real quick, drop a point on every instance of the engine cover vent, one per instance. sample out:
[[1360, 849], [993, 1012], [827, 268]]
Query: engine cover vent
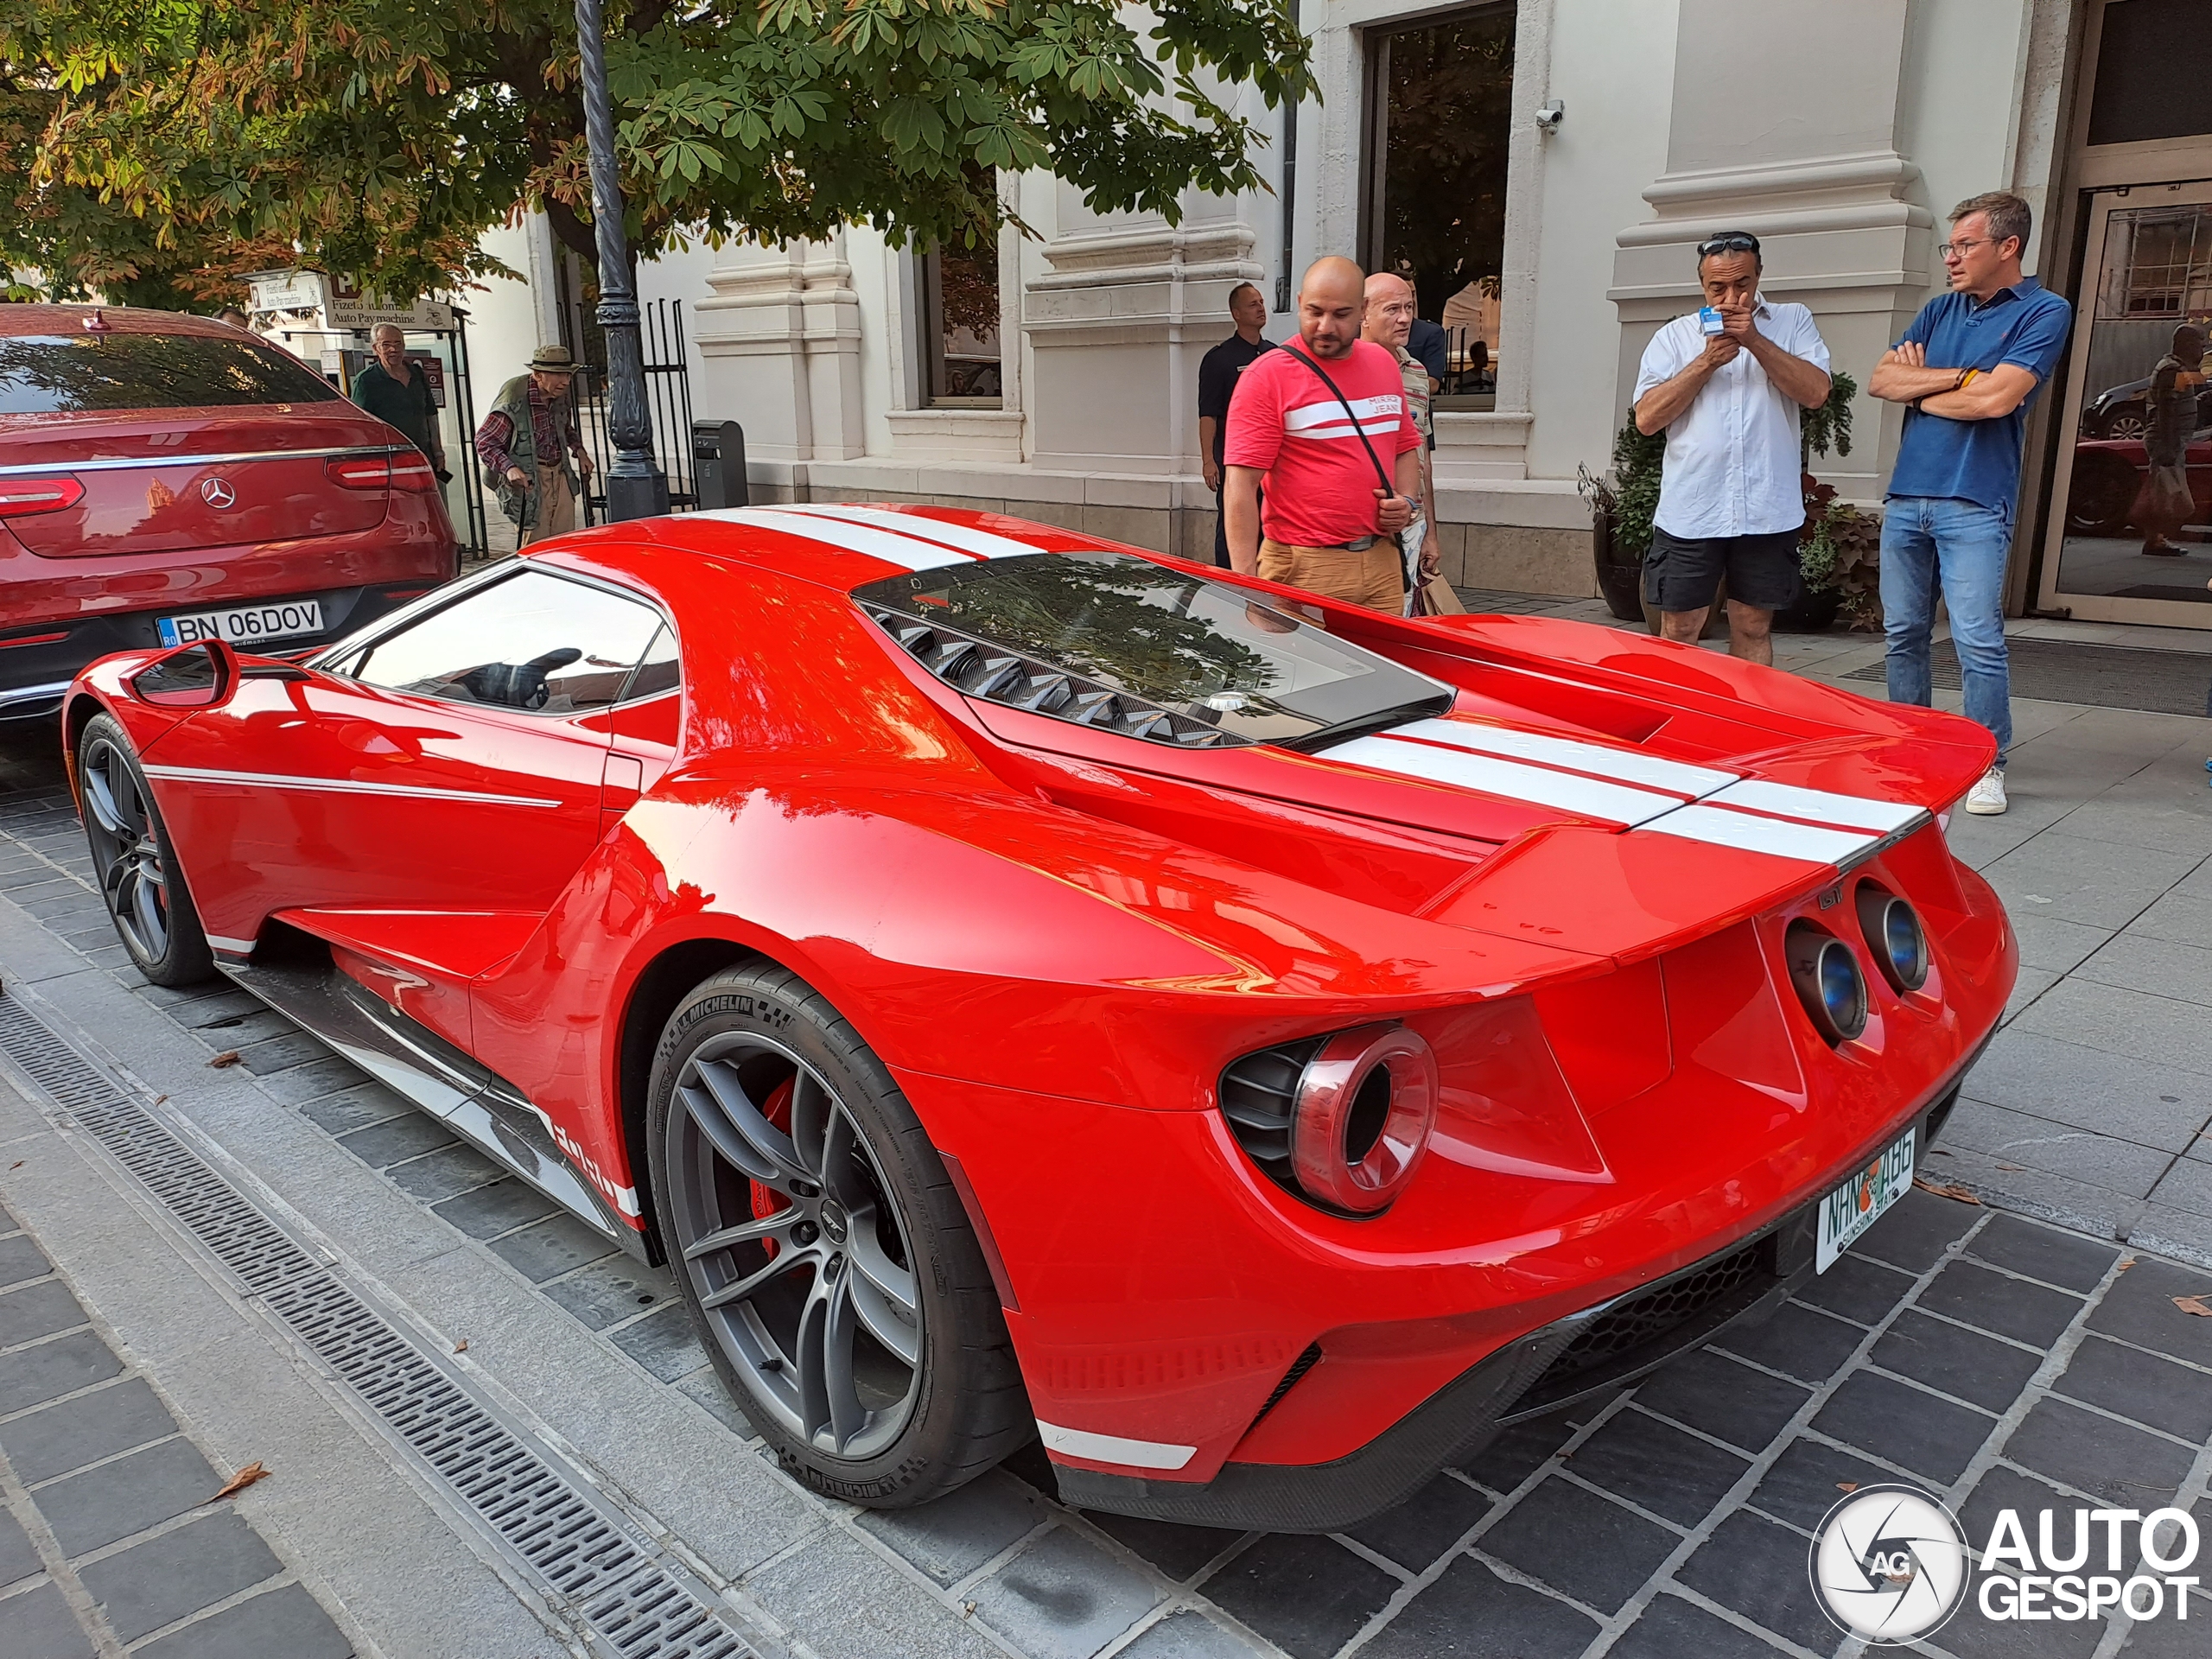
[[977, 669]]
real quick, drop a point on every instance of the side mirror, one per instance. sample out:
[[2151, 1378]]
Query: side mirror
[[191, 677]]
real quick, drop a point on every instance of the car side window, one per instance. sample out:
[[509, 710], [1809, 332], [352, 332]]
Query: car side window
[[659, 671], [535, 642]]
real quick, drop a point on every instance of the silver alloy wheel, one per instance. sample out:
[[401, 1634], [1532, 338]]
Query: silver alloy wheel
[[126, 852], [816, 1304], [2129, 425]]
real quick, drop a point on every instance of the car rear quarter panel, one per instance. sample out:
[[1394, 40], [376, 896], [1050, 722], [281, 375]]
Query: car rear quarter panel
[[1165, 1286]]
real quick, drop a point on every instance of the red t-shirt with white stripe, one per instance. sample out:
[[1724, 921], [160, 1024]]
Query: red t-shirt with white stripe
[[1320, 485]]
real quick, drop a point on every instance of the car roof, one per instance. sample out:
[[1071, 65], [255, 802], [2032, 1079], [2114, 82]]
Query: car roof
[[19, 321]]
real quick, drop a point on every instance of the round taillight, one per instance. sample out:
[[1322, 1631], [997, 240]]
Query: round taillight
[[1895, 937], [1361, 1117], [1827, 980]]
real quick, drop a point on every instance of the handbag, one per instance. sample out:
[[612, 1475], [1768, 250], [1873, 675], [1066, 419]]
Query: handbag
[[1436, 598], [1389, 484], [2163, 500]]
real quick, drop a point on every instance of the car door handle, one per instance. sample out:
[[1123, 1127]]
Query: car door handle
[[622, 782]]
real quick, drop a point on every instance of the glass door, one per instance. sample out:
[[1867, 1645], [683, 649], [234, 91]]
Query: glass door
[[2131, 526]]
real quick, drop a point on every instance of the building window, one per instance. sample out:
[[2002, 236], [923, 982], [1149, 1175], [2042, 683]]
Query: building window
[[1440, 98], [2159, 265], [960, 327]]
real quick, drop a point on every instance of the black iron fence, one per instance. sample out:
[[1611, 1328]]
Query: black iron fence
[[668, 396]]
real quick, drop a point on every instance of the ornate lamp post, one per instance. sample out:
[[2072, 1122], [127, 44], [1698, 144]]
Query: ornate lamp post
[[636, 488]]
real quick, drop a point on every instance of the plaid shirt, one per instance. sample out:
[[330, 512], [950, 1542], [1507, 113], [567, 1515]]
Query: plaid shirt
[[493, 437]]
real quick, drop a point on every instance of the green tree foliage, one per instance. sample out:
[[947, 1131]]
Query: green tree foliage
[[154, 141]]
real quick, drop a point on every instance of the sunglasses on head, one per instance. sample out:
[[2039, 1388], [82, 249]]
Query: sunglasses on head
[[1728, 242]]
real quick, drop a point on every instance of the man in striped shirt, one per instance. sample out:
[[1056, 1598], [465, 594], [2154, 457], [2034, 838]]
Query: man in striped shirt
[[1324, 422]]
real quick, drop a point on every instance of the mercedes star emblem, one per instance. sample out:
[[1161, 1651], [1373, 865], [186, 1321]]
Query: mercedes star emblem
[[217, 494]]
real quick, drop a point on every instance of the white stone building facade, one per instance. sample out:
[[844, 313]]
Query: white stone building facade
[[1839, 131]]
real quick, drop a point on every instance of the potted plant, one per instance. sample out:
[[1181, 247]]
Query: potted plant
[[1840, 558], [1839, 549], [1621, 505]]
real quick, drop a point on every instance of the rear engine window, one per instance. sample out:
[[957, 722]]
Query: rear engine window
[[1205, 652], [68, 374]]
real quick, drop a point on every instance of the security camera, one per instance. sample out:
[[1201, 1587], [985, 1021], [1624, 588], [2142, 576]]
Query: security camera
[[1549, 117]]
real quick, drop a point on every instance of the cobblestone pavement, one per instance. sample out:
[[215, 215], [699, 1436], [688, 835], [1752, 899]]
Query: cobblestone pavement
[[1977, 1349], [112, 1537]]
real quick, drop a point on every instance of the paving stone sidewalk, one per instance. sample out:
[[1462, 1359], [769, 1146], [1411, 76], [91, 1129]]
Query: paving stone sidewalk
[[1995, 1358], [111, 1537]]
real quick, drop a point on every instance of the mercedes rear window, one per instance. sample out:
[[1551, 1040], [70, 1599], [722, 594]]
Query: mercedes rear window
[[1198, 648], [69, 374]]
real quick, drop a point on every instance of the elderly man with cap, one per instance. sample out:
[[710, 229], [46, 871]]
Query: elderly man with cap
[[1322, 420], [526, 443]]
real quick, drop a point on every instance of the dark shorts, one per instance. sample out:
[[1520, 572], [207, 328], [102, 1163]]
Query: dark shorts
[[1682, 573]]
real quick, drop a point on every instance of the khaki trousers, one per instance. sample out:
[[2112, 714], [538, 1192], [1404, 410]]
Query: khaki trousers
[[1369, 577], [556, 507]]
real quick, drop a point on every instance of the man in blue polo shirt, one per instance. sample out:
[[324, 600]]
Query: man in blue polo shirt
[[1968, 370]]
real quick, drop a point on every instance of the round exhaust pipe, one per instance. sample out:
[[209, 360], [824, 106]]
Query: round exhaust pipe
[[1360, 1121]]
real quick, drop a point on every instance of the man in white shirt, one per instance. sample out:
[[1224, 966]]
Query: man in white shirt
[[1726, 384]]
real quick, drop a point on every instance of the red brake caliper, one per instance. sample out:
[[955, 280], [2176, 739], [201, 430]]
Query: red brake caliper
[[767, 1201]]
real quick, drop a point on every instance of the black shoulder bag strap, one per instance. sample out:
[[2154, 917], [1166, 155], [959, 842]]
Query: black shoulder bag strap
[[1389, 486]]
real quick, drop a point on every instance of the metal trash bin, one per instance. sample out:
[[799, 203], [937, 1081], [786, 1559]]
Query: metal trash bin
[[718, 452]]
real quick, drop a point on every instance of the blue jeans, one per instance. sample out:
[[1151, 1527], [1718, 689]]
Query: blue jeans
[[1962, 546]]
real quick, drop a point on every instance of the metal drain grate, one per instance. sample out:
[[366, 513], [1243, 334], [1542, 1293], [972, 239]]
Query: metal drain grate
[[635, 1603]]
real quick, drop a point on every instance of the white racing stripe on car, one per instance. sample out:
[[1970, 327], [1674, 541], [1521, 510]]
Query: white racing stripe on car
[[1113, 1448], [1510, 778], [1626, 765], [1852, 812], [1748, 832], [902, 550], [339, 786], [980, 542], [1734, 811]]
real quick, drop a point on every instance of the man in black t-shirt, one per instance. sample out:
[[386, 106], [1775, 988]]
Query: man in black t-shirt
[[1217, 373]]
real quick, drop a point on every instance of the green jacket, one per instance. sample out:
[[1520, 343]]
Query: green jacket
[[411, 407], [521, 505]]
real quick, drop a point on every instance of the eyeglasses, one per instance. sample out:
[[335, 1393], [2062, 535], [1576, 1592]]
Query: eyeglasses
[[1728, 242], [1962, 249]]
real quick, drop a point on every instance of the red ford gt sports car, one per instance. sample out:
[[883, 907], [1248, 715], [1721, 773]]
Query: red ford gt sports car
[[1030, 987], [165, 478]]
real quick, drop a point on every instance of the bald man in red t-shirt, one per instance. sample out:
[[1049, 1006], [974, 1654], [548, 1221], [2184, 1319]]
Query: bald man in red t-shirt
[[1329, 521]]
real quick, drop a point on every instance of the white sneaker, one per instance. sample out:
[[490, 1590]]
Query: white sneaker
[[1986, 798]]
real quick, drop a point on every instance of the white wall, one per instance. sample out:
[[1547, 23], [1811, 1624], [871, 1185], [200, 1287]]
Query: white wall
[[1613, 66], [503, 325], [1960, 108]]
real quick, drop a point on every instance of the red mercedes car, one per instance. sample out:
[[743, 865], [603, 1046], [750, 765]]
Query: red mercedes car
[[165, 478], [1026, 986]]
